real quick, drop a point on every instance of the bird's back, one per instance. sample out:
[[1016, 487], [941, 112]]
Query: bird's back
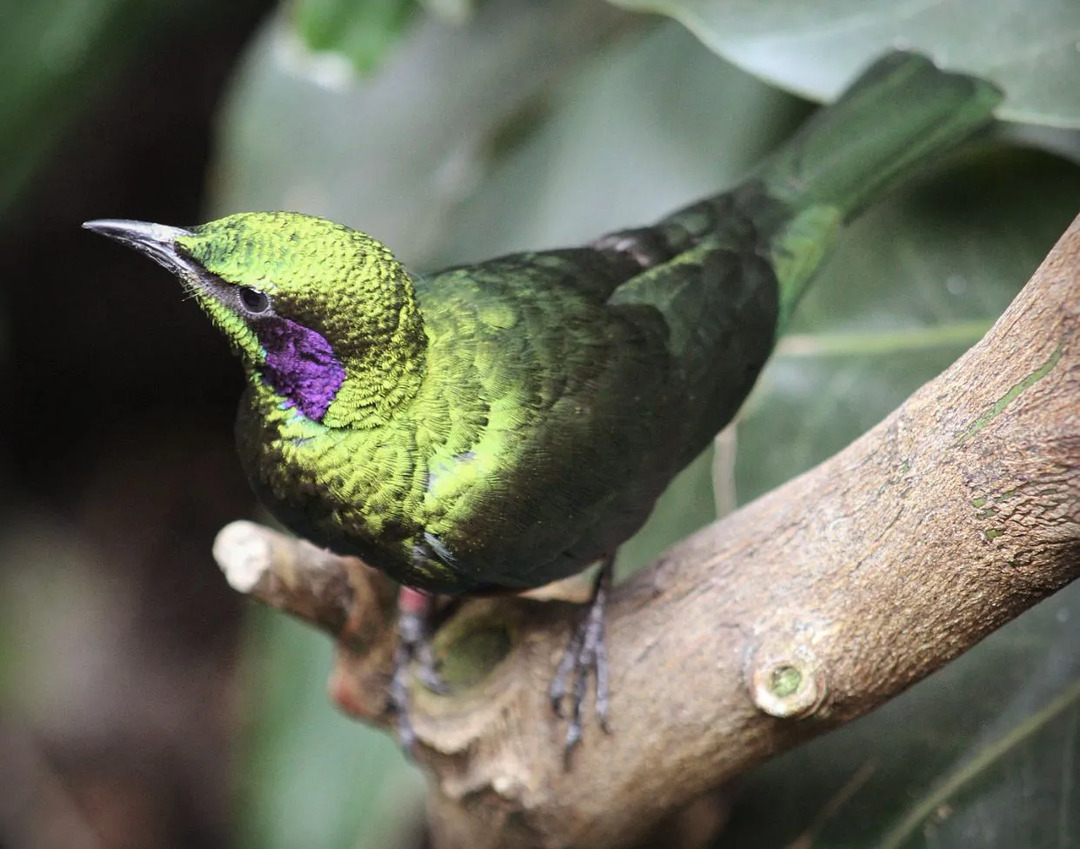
[[566, 388]]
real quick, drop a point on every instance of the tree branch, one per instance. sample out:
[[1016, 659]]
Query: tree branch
[[801, 611]]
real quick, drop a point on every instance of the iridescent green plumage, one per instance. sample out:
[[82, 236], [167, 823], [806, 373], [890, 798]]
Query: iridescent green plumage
[[504, 424], [555, 404]]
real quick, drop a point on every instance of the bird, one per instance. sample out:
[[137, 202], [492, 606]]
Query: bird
[[497, 426]]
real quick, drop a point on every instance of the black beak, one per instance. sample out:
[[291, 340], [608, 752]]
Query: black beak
[[157, 241]]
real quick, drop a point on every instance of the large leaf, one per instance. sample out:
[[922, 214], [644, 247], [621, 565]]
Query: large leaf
[[911, 285], [815, 48], [394, 152]]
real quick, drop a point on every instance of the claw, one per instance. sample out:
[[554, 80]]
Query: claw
[[586, 655], [415, 609], [399, 695], [560, 683], [427, 673]]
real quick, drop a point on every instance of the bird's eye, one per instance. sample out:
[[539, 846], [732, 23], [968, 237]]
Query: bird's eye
[[253, 300]]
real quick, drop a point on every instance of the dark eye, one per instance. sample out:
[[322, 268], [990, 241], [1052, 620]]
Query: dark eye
[[253, 300]]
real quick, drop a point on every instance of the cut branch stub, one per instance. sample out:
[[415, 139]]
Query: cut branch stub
[[786, 679]]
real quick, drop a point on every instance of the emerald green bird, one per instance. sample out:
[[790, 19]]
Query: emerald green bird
[[498, 426]]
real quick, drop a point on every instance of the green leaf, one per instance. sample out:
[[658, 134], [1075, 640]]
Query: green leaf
[[360, 30], [392, 153], [816, 48], [912, 284], [615, 149]]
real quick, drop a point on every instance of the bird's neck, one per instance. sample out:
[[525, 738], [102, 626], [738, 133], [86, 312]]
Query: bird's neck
[[383, 370], [353, 369]]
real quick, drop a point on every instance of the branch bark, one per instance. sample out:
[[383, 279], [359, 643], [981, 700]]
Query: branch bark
[[807, 608]]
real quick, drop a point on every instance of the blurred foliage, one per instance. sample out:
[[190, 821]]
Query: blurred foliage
[[361, 31], [116, 469], [314, 777], [455, 130], [395, 151], [814, 48], [55, 57], [912, 285]]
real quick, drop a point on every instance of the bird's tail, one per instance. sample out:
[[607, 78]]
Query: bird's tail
[[898, 116], [902, 112]]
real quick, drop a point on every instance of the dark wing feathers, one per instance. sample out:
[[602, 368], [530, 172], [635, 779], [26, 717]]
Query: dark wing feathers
[[623, 360]]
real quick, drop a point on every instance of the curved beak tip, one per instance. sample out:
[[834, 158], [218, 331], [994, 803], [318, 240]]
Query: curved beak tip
[[135, 232], [157, 241]]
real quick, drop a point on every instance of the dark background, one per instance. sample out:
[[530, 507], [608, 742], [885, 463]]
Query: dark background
[[117, 470]]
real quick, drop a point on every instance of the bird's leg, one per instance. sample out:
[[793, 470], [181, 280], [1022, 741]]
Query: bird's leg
[[415, 612], [586, 655]]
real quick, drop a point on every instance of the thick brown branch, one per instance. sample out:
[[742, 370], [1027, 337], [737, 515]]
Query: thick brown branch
[[811, 606]]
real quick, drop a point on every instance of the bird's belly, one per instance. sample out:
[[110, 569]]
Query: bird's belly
[[358, 494], [463, 522]]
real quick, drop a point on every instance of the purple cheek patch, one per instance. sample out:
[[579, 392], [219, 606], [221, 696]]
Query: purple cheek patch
[[300, 365]]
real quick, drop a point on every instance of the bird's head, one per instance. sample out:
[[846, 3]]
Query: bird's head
[[320, 314]]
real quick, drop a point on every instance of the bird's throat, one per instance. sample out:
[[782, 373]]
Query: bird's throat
[[300, 366]]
